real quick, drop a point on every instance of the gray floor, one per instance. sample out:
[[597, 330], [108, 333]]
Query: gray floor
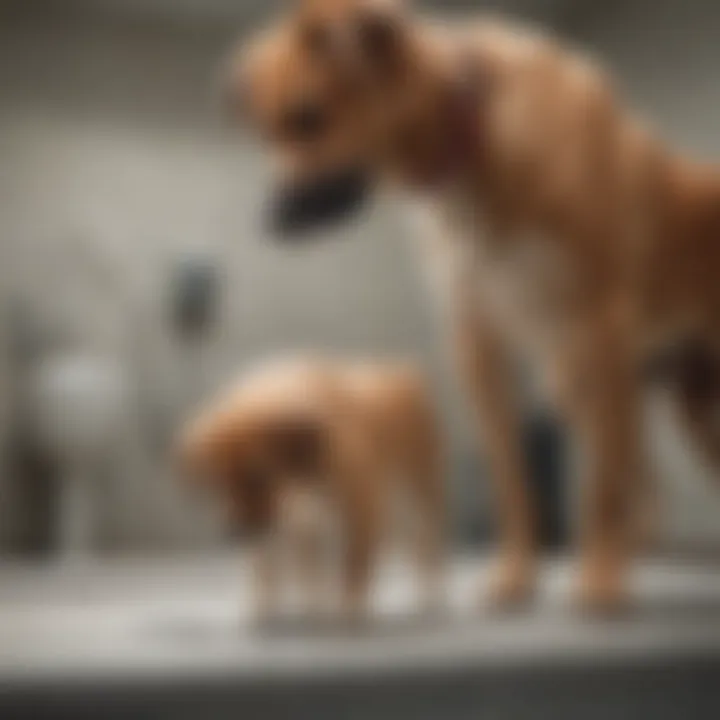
[[158, 639], [160, 617]]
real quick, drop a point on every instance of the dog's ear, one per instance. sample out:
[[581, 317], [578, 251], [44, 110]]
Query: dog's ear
[[378, 29], [300, 443], [372, 33]]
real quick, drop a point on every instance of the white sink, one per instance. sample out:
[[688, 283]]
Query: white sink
[[78, 403], [78, 406]]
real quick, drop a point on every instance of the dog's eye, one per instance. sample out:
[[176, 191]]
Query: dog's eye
[[377, 35], [306, 121], [317, 39]]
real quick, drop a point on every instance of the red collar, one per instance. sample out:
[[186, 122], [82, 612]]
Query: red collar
[[463, 129], [461, 143]]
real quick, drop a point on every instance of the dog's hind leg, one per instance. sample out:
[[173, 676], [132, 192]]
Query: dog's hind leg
[[605, 407]]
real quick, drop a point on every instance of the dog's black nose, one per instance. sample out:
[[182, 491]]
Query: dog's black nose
[[302, 207]]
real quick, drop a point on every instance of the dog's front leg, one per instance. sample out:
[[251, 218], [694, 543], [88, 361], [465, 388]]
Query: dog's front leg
[[605, 406], [360, 512], [265, 568], [486, 366], [312, 567]]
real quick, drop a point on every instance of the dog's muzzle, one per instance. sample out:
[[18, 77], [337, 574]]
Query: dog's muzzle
[[301, 207]]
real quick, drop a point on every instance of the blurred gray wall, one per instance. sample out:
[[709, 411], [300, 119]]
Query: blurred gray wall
[[114, 166], [113, 159]]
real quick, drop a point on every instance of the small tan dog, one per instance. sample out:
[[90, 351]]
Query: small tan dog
[[311, 455], [569, 235]]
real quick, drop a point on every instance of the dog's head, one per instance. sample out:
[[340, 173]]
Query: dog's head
[[254, 458], [330, 88]]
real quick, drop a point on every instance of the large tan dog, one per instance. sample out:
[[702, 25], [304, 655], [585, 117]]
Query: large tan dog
[[568, 234], [320, 458]]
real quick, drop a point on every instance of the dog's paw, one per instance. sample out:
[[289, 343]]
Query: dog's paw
[[600, 591], [512, 585], [353, 614]]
